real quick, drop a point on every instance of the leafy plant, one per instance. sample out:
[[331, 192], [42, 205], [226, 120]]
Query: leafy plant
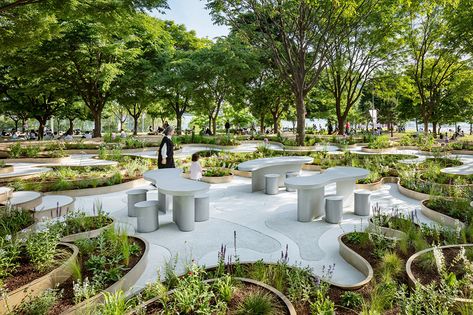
[[41, 248], [257, 303], [39, 305], [351, 299]]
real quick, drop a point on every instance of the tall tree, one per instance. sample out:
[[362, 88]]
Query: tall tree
[[222, 71], [435, 60], [372, 39], [176, 81], [299, 34]]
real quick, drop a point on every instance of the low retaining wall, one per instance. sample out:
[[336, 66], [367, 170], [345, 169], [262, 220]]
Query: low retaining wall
[[126, 282], [38, 286], [354, 259], [100, 190], [440, 217], [412, 279]]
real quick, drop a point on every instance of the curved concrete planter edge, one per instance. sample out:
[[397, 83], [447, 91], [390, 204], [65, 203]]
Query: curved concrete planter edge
[[440, 217], [38, 286], [412, 279], [126, 282], [279, 294], [87, 234], [358, 262]]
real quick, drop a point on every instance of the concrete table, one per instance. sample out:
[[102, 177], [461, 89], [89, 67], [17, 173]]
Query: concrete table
[[277, 165], [183, 191], [311, 189]]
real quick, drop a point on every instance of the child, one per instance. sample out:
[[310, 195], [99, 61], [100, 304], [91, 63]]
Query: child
[[196, 168]]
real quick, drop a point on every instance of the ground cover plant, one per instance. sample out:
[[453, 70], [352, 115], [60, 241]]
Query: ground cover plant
[[29, 257], [67, 178], [457, 208], [388, 256], [13, 220], [50, 150], [101, 262]]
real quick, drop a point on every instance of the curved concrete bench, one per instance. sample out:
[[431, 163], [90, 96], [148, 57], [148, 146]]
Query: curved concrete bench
[[311, 189], [169, 182], [277, 165]]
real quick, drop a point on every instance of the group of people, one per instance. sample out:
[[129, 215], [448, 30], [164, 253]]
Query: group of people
[[166, 155]]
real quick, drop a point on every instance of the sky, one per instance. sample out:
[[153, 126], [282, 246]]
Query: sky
[[193, 14]]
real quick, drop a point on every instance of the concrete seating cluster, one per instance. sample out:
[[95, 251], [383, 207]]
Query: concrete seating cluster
[[311, 201], [190, 201], [277, 166]]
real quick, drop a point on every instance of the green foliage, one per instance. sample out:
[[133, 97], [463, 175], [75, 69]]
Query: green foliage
[[41, 248], [39, 305], [380, 142], [257, 303], [351, 299], [13, 220]]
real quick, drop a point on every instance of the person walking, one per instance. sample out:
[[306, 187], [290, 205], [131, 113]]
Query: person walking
[[166, 150]]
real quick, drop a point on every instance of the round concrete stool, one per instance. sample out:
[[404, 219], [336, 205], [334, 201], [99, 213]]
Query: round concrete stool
[[334, 209], [271, 184], [289, 175], [202, 207], [134, 196], [362, 202], [147, 215]]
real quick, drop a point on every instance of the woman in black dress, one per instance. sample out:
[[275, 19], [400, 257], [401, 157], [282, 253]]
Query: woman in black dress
[[166, 150]]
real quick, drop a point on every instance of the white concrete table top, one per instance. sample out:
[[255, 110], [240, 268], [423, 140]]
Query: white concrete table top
[[254, 165], [277, 165], [170, 182], [311, 189], [331, 175]]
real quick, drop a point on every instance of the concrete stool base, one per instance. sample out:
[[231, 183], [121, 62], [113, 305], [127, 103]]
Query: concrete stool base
[[133, 197], [334, 209], [362, 202], [202, 208], [147, 215], [271, 184]]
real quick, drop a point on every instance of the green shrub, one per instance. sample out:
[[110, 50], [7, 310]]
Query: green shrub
[[257, 303], [351, 299], [379, 142], [41, 248], [39, 305]]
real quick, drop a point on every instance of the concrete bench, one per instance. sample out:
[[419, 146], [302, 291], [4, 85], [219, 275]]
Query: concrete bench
[[311, 189], [277, 165], [183, 191]]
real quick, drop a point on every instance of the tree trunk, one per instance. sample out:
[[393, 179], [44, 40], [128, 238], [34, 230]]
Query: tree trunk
[[71, 127], [178, 123], [275, 123], [426, 125], [341, 125], [16, 124], [214, 126], [300, 111], [97, 124], [417, 125], [23, 123], [434, 129], [135, 125], [261, 124], [41, 130]]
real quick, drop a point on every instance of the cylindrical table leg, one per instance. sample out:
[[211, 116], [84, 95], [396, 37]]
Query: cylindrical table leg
[[163, 202], [346, 189], [184, 209], [310, 204]]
